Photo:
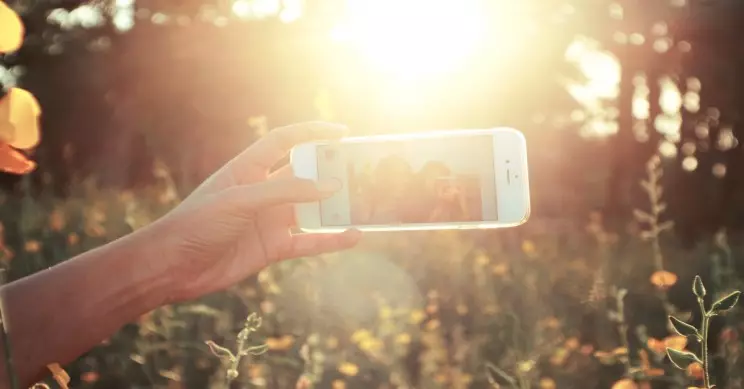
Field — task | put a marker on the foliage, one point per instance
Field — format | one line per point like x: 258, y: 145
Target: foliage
x: 682, y: 359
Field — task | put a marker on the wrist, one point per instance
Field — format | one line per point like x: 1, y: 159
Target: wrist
x: 148, y: 267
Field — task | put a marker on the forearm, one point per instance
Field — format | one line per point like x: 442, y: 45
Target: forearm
x: 58, y: 314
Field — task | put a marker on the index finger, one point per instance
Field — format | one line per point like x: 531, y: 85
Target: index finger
x: 268, y: 150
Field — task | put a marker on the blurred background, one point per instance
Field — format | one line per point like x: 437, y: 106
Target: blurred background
x: 632, y: 111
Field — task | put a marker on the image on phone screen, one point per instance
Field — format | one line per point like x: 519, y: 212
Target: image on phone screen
x: 441, y: 180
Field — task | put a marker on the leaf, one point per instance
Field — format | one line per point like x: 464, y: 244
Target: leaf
x: 219, y: 351
x: 255, y: 350
x: 253, y: 322
x: 698, y: 288
x: 683, y: 328
x: 725, y: 303
x: 642, y: 216
x: 11, y: 30
x: 492, y: 372
x: 667, y: 225
x: 681, y: 359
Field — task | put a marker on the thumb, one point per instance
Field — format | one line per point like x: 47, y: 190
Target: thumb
x: 255, y: 197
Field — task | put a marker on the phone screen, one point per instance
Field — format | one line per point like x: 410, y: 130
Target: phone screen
x: 438, y: 180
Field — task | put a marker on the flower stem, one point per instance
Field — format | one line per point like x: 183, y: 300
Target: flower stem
x: 704, y: 341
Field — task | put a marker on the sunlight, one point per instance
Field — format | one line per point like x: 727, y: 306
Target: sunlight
x: 413, y: 38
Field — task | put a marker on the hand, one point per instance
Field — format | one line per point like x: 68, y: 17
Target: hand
x: 238, y: 221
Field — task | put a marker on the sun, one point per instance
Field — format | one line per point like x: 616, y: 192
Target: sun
x: 413, y: 38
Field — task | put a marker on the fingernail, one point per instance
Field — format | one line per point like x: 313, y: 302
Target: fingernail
x: 329, y: 185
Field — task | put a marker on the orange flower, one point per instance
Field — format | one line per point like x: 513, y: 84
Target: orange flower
x: 656, y: 345
x: 19, y: 129
x: 663, y: 279
x: 677, y: 342
x: 89, y: 377
x: 280, y: 344
x: 695, y: 370
x: 32, y: 246
x: 572, y: 344
x: 625, y: 383
x: 11, y: 30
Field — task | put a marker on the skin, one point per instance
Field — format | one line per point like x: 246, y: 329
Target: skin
x: 231, y: 227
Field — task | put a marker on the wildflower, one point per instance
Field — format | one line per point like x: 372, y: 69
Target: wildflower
x: 663, y: 279
x: 332, y: 342
x: 19, y: 129
x: 403, y: 338
x: 677, y: 342
x: 432, y: 324
x: 625, y: 383
x: 89, y: 377
x: 338, y: 384
x: 303, y: 383
x: 280, y: 344
x: 500, y: 269
x: 547, y: 383
x: 572, y: 344
x: 57, y: 220
x: 348, y: 368
x: 695, y: 370
x: 11, y: 30
x: 32, y: 246
x: 656, y: 345
x: 528, y: 248
x: 417, y: 316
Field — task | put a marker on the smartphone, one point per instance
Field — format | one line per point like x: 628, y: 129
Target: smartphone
x: 454, y: 179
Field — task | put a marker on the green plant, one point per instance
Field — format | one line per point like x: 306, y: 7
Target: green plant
x: 232, y: 359
x: 682, y: 359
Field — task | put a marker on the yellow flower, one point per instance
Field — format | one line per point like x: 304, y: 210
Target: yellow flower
x: 386, y: 313
x: 332, y: 342
x: 417, y: 316
x: 432, y: 324
x: 528, y: 248
x: 403, y: 338
x: 338, y: 384
x: 11, y: 30
x: 500, y: 269
x: 547, y: 383
x: 348, y: 369
x: 482, y: 259
x: 360, y: 335
x: 525, y: 366
x: 370, y: 344
x: 625, y: 383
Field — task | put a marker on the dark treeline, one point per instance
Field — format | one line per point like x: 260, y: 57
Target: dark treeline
x: 114, y: 103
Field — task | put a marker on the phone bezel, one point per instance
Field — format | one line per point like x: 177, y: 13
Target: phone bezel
x: 510, y: 155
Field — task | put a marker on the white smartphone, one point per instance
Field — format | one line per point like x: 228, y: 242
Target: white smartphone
x: 454, y: 179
